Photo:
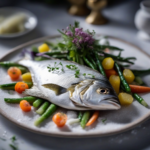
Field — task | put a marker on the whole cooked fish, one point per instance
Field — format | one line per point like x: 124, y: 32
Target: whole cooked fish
x: 70, y: 85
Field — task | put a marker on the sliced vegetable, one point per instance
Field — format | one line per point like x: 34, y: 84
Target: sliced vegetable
x: 27, y: 77
x: 124, y: 82
x: 11, y: 86
x: 128, y: 75
x: 60, y: 119
x: 51, y: 109
x: 43, y: 108
x: 14, y: 73
x: 21, y: 86
x: 93, y: 118
x: 139, y: 89
x: 30, y: 99
x: 125, y: 98
x: 37, y: 103
x: 108, y: 63
x: 85, y: 119
x: 25, y: 106
x: 43, y: 48
x: 110, y: 72
x: 115, y: 82
x: 140, y: 100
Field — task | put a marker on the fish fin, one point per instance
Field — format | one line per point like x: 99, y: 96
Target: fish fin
x: 56, y: 88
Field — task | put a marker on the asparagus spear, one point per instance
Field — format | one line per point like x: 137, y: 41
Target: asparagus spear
x: 30, y: 99
x: 85, y: 119
x: 43, y: 108
x: 37, y: 103
x: 51, y: 109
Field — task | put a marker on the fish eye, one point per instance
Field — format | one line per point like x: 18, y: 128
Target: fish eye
x: 102, y: 91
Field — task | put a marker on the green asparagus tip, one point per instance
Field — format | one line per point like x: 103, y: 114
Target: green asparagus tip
x: 144, y: 104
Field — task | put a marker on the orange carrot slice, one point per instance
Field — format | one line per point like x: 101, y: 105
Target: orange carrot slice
x: 20, y: 87
x: 93, y: 118
x: 139, y: 89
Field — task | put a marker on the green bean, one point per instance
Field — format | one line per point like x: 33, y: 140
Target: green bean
x: 37, y: 103
x: 30, y: 99
x: 40, y: 58
x: 23, y: 69
x: 43, y: 108
x: 35, y: 49
x: 8, y: 64
x: 51, y: 109
x: 100, y: 67
x: 51, y: 53
x: 11, y: 86
x: 85, y: 119
x: 80, y: 115
x: 102, y: 47
x: 140, y: 100
x: 93, y: 62
x: 139, y: 80
x: 124, y: 82
x: 60, y: 56
x: 141, y: 72
x: 89, y: 63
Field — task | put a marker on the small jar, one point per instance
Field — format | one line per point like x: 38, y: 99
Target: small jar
x: 142, y: 20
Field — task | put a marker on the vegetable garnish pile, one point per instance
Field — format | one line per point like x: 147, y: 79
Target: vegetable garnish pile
x: 81, y: 47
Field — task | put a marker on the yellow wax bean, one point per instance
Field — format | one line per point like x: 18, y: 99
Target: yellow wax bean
x: 115, y: 82
x: 128, y: 75
x: 27, y: 77
x: 125, y: 99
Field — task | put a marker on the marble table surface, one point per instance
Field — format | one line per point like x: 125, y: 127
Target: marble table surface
x: 50, y: 18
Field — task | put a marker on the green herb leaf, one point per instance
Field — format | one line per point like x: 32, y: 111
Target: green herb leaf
x: 13, y: 147
x: 13, y: 139
x: 77, y: 73
x: 104, y: 120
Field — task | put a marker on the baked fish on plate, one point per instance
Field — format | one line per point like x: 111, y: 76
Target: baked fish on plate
x: 70, y: 85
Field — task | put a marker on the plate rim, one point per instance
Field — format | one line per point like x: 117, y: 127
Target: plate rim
x: 68, y: 134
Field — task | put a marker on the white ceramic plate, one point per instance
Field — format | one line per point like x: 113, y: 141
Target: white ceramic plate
x: 117, y: 121
x: 30, y: 23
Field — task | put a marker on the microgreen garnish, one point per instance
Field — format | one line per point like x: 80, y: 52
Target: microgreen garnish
x: 72, y: 67
x: 104, y: 120
x: 13, y: 147
x: 57, y: 68
x: 88, y: 75
x: 77, y: 73
x: 13, y: 139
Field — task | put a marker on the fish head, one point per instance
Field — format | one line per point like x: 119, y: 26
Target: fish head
x: 100, y: 95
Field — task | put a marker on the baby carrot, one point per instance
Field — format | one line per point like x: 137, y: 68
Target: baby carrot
x: 25, y: 106
x: 139, y: 89
x: 110, y: 72
x: 93, y: 118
